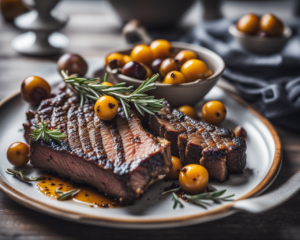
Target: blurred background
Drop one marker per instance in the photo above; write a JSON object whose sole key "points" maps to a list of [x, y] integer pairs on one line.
{"points": [[94, 27]]}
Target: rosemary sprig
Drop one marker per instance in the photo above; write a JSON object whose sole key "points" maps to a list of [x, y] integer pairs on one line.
{"points": [[213, 196], [66, 195], [20, 175], [46, 134], [196, 199], [171, 190], [105, 77], [176, 201], [91, 88]]}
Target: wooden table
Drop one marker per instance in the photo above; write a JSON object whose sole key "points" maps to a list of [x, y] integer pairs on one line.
{"points": [[93, 30]]}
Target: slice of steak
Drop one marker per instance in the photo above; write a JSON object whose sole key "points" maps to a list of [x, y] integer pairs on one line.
{"points": [[118, 157], [214, 161], [218, 149], [168, 125]]}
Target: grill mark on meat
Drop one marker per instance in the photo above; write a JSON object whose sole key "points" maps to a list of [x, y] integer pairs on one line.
{"points": [[60, 99], [208, 140], [60, 119], [118, 144], [127, 138], [143, 141], [89, 118], [74, 139], [58, 116], [108, 141], [49, 105], [84, 133], [45, 114], [99, 148]]}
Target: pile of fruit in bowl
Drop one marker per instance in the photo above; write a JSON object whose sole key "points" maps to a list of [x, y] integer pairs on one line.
{"points": [[262, 35], [184, 73], [266, 26], [160, 57]]}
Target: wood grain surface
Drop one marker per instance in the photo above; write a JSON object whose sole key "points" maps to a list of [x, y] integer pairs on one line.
{"points": [[93, 30]]}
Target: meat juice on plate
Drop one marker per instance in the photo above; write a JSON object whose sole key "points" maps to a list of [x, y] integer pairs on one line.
{"points": [[87, 194]]}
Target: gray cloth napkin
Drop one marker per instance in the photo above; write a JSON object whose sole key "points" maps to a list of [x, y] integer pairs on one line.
{"points": [[270, 82]]}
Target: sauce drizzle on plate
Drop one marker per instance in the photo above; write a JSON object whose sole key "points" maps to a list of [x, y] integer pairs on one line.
{"points": [[87, 195]]}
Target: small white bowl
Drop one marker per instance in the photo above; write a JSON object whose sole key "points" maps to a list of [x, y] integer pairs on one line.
{"points": [[186, 93], [261, 45]]}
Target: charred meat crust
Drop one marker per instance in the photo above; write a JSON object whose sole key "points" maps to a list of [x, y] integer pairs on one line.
{"points": [[214, 161], [193, 140], [118, 157]]}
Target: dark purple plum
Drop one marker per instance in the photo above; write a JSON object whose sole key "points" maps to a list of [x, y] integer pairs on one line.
{"points": [[135, 70], [113, 64], [156, 65], [74, 63]]}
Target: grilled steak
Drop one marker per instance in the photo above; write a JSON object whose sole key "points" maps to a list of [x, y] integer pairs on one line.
{"points": [[118, 157], [217, 149]]}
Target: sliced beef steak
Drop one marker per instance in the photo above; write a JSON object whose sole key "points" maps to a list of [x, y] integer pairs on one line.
{"points": [[217, 149], [118, 157]]}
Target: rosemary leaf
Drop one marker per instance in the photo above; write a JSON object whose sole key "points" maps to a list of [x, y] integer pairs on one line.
{"points": [[46, 134], [105, 77], [213, 196], [81, 99], [146, 109], [200, 199], [96, 93], [137, 106], [66, 195], [176, 201], [197, 202], [171, 190], [64, 73], [125, 107], [91, 88], [209, 195], [19, 175], [90, 96], [114, 89], [226, 198]]}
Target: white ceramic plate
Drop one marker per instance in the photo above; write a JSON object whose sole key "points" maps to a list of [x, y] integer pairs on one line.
{"points": [[263, 163]]}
